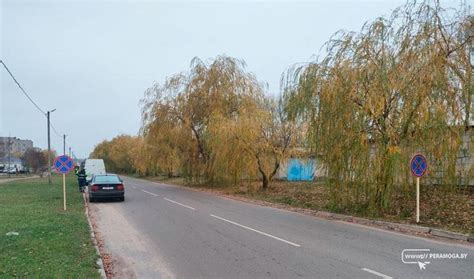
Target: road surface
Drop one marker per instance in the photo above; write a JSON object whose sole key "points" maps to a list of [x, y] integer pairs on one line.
{"points": [[163, 231]]}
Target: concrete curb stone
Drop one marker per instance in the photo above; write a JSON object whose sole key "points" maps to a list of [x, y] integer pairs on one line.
{"points": [[450, 235], [414, 228], [100, 263], [396, 226]]}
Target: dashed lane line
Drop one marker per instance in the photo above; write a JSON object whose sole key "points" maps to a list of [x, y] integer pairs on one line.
{"points": [[183, 205], [377, 273], [257, 231], [150, 193]]}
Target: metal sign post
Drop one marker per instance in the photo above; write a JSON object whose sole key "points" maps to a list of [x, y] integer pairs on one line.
{"points": [[417, 199], [418, 166], [64, 192], [63, 164]]}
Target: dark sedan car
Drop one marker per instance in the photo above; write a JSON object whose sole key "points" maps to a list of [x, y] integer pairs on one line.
{"points": [[105, 186]]}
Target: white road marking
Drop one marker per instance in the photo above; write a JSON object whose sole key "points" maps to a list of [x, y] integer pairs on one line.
{"points": [[150, 193], [187, 206], [377, 273], [257, 231]]}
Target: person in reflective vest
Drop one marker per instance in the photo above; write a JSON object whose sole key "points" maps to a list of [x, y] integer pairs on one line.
{"points": [[81, 178]]}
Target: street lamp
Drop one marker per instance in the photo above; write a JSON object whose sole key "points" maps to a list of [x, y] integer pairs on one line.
{"points": [[49, 146]]}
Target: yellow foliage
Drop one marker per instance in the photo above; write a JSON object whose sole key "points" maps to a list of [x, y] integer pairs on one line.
{"points": [[399, 86]]}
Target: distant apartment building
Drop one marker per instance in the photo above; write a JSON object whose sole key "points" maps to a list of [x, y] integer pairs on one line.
{"points": [[13, 145]]}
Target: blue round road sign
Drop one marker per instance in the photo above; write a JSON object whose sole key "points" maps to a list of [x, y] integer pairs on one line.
{"points": [[63, 164], [418, 165]]}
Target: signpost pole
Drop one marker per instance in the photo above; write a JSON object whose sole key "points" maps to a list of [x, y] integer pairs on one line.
{"points": [[417, 199], [64, 190], [418, 167], [63, 164]]}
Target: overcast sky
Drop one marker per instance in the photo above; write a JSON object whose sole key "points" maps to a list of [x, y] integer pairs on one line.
{"points": [[92, 60]]}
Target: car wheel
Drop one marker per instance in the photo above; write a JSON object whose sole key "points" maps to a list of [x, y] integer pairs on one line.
{"points": [[91, 199], [122, 199]]}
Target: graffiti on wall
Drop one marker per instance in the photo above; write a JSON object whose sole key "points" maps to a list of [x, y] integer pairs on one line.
{"points": [[301, 170]]}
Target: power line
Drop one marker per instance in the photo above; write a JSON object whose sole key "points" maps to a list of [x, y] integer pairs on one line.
{"points": [[54, 129], [21, 88], [29, 98]]}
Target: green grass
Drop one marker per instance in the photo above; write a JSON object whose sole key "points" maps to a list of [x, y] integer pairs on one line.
{"points": [[51, 242]]}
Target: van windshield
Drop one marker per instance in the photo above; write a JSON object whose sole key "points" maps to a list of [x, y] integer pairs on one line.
{"points": [[106, 179]]}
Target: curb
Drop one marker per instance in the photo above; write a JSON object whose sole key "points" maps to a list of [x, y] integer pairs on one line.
{"points": [[450, 235], [397, 226], [99, 262]]}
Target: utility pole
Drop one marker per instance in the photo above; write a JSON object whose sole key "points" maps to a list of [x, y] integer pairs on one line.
{"points": [[74, 157], [69, 151], [49, 146], [64, 144]]}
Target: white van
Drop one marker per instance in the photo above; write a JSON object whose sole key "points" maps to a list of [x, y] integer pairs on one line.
{"points": [[94, 167]]}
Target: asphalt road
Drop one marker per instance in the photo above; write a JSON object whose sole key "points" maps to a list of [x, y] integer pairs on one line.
{"points": [[167, 231]]}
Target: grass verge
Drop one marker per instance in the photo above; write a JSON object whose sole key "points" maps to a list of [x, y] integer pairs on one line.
{"points": [[50, 242]]}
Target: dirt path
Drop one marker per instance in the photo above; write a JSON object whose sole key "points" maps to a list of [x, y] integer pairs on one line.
{"points": [[5, 180]]}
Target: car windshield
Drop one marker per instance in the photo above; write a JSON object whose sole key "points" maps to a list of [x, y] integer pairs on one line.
{"points": [[106, 179]]}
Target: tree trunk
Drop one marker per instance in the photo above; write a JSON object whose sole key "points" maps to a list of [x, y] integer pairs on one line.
{"points": [[264, 182], [262, 172]]}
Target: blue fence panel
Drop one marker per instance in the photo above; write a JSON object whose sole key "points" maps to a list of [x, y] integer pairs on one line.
{"points": [[301, 170]]}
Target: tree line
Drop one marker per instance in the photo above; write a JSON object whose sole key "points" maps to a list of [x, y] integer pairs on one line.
{"points": [[401, 85], [34, 160], [211, 124]]}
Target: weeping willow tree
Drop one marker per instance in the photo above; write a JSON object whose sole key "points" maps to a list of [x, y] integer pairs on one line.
{"points": [[399, 86], [220, 90], [261, 138], [214, 124], [165, 137], [182, 118]]}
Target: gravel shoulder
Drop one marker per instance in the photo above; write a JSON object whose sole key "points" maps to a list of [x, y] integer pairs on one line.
{"points": [[125, 251]]}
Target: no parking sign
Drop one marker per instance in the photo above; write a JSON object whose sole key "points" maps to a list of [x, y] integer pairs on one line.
{"points": [[63, 164], [418, 167]]}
